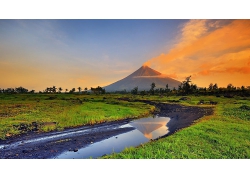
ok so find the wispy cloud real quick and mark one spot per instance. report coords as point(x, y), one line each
point(206, 48)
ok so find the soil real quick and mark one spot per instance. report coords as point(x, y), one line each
point(35, 145)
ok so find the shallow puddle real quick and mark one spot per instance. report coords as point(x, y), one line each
point(145, 130)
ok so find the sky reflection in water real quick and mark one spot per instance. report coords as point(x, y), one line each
point(145, 130)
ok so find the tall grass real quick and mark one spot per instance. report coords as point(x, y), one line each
point(58, 111)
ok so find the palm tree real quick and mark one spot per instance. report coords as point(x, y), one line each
point(79, 88)
point(72, 90)
point(66, 90)
point(152, 88)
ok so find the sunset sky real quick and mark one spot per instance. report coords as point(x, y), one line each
point(37, 54)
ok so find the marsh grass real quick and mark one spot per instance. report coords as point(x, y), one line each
point(59, 111)
point(223, 135)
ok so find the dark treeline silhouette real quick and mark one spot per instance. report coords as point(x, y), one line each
point(185, 88)
point(48, 90)
point(98, 90)
point(16, 90)
point(188, 88)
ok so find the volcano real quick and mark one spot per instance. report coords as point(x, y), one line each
point(143, 78)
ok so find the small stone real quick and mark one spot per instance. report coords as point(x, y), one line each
point(8, 135)
point(75, 150)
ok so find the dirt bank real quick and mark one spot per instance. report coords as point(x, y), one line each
point(49, 145)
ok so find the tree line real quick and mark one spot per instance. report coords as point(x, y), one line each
point(185, 88)
point(189, 88)
point(53, 89)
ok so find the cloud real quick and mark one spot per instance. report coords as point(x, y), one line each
point(206, 48)
point(192, 30)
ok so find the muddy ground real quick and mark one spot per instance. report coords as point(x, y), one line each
point(49, 145)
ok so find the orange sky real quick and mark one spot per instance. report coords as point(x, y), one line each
point(37, 54)
point(211, 52)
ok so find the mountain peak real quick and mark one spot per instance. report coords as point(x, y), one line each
point(142, 78)
point(145, 71)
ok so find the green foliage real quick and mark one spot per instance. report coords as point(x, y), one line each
point(134, 91)
point(57, 111)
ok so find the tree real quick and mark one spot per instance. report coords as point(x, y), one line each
point(21, 90)
point(152, 88)
point(134, 91)
point(193, 87)
point(79, 89)
point(167, 89)
point(32, 91)
point(215, 87)
point(153, 85)
point(72, 90)
point(230, 86)
point(54, 89)
point(60, 89)
point(185, 86)
point(98, 90)
point(143, 92)
point(66, 90)
point(210, 87)
point(46, 90)
point(9, 90)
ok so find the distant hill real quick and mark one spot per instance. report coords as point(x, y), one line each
point(143, 78)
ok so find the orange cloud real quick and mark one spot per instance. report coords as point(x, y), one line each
point(211, 48)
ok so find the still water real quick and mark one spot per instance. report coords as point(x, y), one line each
point(145, 130)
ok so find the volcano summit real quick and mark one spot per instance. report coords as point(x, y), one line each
point(143, 78)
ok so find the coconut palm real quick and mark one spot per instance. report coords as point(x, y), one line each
point(79, 89)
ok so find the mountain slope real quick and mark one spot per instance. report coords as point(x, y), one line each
point(143, 78)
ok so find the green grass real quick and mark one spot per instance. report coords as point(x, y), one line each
point(59, 111)
point(224, 135)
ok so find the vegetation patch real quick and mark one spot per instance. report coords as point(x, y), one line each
point(43, 112)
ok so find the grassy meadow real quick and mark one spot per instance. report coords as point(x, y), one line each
point(19, 112)
point(223, 135)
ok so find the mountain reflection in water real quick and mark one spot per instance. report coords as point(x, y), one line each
point(145, 130)
point(151, 127)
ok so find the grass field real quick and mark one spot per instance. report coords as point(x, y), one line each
point(19, 112)
point(224, 135)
